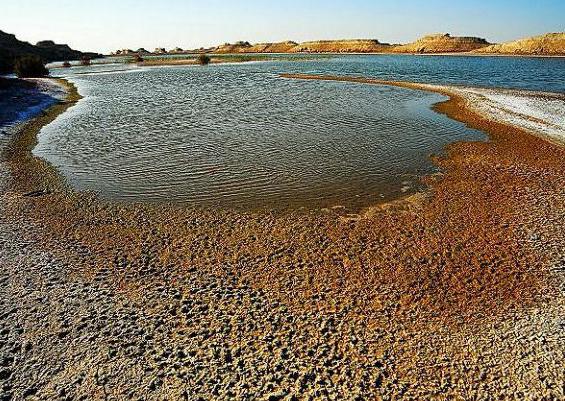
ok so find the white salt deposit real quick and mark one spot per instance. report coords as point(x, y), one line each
point(30, 102)
point(540, 113)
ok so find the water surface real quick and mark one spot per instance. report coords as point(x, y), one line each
point(240, 136)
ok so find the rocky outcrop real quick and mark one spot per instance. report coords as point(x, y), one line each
point(548, 44)
point(342, 46)
point(11, 47)
point(442, 43)
point(51, 51)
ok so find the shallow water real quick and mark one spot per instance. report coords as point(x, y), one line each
point(240, 136)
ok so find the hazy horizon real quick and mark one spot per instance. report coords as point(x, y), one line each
point(109, 25)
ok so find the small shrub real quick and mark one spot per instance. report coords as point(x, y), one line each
point(85, 61)
point(66, 64)
point(30, 67)
point(137, 59)
point(203, 59)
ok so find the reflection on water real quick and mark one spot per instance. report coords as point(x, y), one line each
point(241, 136)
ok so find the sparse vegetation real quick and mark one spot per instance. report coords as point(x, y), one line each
point(203, 59)
point(30, 66)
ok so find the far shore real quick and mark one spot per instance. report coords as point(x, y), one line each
point(226, 59)
point(454, 54)
point(179, 59)
point(545, 45)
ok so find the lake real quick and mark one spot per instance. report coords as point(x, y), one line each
point(240, 136)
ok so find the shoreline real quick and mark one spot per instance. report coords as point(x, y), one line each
point(462, 274)
point(24, 100)
point(29, 168)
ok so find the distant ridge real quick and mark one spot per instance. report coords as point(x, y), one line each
point(548, 44)
point(318, 46)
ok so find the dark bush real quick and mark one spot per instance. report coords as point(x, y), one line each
point(203, 59)
point(85, 61)
point(30, 67)
point(137, 59)
point(66, 64)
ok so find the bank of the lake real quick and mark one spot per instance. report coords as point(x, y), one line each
point(455, 292)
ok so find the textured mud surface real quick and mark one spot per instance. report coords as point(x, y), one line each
point(453, 294)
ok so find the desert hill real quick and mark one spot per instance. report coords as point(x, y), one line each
point(442, 43)
point(548, 44)
point(277, 47)
point(246, 47)
point(11, 47)
point(238, 47)
point(342, 46)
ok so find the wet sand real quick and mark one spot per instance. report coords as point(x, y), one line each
point(455, 293)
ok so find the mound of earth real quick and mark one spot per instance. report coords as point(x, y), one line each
point(277, 47)
point(238, 47)
point(548, 44)
point(342, 46)
point(442, 43)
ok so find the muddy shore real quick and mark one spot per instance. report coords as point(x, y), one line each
point(455, 293)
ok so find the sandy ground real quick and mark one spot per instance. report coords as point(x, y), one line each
point(456, 293)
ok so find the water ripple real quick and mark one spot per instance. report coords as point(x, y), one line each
point(240, 136)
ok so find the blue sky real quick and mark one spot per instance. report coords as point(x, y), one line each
point(105, 25)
